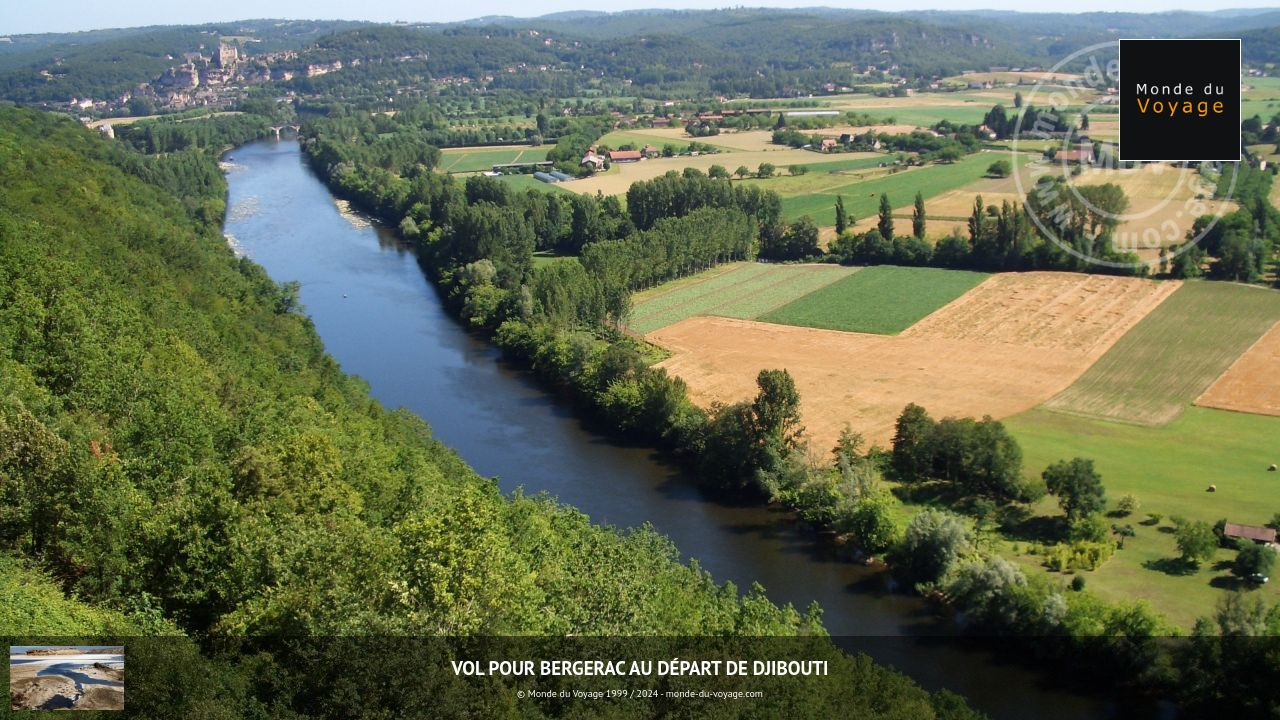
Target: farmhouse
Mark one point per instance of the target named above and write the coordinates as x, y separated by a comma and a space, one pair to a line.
624, 156
650, 151
1083, 155
591, 158
1257, 534
828, 144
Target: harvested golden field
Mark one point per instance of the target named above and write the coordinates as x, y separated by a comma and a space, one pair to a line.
1252, 383
1004, 347
1050, 310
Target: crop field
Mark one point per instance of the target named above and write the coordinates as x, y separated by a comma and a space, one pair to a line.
1169, 469
1172, 356
747, 290
1252, 383
885, 299
1006, 346
476, 159
657, 137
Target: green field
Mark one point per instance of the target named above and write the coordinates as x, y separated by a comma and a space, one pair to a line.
1169, 469
885, 299
460, 160
529, 182
862, 198
743, 290
1172, 355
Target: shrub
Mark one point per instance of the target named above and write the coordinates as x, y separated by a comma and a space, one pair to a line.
1077, 583
1127, 505
872, 525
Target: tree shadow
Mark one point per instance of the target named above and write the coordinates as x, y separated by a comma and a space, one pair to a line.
1168, 530
1230, 582
1171, 566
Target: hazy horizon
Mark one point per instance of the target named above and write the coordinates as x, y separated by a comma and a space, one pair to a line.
81, 15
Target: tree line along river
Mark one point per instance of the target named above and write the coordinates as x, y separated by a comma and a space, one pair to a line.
382, 319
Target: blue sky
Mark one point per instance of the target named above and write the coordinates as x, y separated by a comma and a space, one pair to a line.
26, 16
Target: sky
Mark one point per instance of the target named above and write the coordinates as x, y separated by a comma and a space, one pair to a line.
26, 16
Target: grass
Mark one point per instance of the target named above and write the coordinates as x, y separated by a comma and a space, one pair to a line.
529, 182
1172, 355
885, 299
862, 198
460, 160
1169, 469
744, 291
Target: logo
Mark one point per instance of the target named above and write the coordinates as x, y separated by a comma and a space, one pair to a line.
1080, 193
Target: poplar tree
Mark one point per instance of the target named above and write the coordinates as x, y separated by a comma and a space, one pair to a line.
886, 218
917, 219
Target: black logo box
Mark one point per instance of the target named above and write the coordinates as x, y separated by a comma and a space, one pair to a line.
1180, 137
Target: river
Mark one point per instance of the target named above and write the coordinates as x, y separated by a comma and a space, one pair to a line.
382, 320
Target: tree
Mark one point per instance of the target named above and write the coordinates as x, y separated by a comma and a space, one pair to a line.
1078, 487
1253, 560
999, 169
742, 171
917, 217
1196, 541
718, 172
912, 456
842, 219
885, 224
765, 170
1017, 99
872, 525
934, 541
777, 407
1084, 121
797, 169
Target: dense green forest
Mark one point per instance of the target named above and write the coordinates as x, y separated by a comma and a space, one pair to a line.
179, 455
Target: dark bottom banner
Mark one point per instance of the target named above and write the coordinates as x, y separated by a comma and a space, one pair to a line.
631, 677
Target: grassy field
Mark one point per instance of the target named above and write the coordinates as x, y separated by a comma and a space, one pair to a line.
1172, 356
475, 159
1169, 469
885, 299
741, 290
862, 197
529, 182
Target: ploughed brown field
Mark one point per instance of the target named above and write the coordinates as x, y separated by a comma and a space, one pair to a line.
1002, 348
1252, 383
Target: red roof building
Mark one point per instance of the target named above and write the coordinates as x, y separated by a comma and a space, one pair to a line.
1250, 532
624, 156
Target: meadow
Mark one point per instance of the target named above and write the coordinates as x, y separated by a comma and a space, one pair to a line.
862, 197
477, 159
529, 182
1169, 470
742, 290
1173, 354
884, 299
